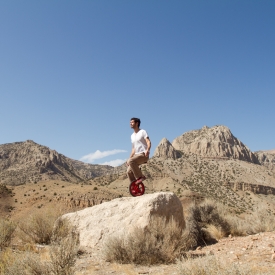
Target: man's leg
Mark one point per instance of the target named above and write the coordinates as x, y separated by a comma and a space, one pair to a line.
133, 170
130, 174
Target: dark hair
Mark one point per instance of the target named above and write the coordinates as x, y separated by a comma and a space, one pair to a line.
136, 120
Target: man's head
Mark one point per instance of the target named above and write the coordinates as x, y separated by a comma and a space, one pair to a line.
134, 121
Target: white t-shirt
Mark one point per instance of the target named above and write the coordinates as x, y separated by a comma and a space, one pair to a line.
139, 142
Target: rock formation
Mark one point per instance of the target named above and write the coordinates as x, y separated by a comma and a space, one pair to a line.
22, 162
266, 158
217, 142
120, 216
254, 188
166, 150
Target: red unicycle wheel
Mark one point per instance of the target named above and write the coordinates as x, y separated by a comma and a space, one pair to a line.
136, 189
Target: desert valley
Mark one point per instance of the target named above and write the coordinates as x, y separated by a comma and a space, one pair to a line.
209, 164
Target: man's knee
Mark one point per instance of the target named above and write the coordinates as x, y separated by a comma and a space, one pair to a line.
130, 161
128, 170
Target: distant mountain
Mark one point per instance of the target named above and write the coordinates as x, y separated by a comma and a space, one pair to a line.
24, 162
217, 141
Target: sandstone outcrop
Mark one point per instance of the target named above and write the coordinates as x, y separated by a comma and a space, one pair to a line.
22, 162
217, 141
166, 150
120, 216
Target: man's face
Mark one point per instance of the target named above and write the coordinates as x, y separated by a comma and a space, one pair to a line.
133, 124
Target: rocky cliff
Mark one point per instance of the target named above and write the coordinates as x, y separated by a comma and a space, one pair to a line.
217, 141
23, 162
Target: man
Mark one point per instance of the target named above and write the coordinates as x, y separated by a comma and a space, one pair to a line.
141, 145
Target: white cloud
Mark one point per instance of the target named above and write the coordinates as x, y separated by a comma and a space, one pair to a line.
99, 155
114, 163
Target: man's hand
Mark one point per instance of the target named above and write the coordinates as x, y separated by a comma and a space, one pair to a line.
147, 153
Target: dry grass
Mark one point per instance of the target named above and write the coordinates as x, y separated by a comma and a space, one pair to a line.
34, 266
38, 228
61, 230
7, 229
162, 242
210, 221
64, 249
205, 224
64, 242
23, 263
63, 256
210, 265
261, 220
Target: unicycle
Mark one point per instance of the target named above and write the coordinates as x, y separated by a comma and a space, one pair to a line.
136, 189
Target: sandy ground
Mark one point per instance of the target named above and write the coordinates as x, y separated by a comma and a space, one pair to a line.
258, 251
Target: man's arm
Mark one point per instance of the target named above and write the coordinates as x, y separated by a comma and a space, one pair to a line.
148, 141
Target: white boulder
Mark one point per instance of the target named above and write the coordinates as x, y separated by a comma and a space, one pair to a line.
119, 216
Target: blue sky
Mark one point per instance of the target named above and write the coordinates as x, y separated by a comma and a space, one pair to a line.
73, 73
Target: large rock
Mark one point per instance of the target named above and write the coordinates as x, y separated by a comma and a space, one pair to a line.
217, 142
119, 216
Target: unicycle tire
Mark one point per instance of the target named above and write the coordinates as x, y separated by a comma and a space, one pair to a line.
136, 189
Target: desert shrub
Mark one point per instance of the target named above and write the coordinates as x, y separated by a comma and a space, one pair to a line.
162, 242
62, 228
259, 221
210, 265
38, 228
34, 266
63, 253
5, 257
24, 263
211, 221
205, 224
7, 229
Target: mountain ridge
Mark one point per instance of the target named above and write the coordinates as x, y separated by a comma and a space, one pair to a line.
41, 176
27, 161
217, 141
